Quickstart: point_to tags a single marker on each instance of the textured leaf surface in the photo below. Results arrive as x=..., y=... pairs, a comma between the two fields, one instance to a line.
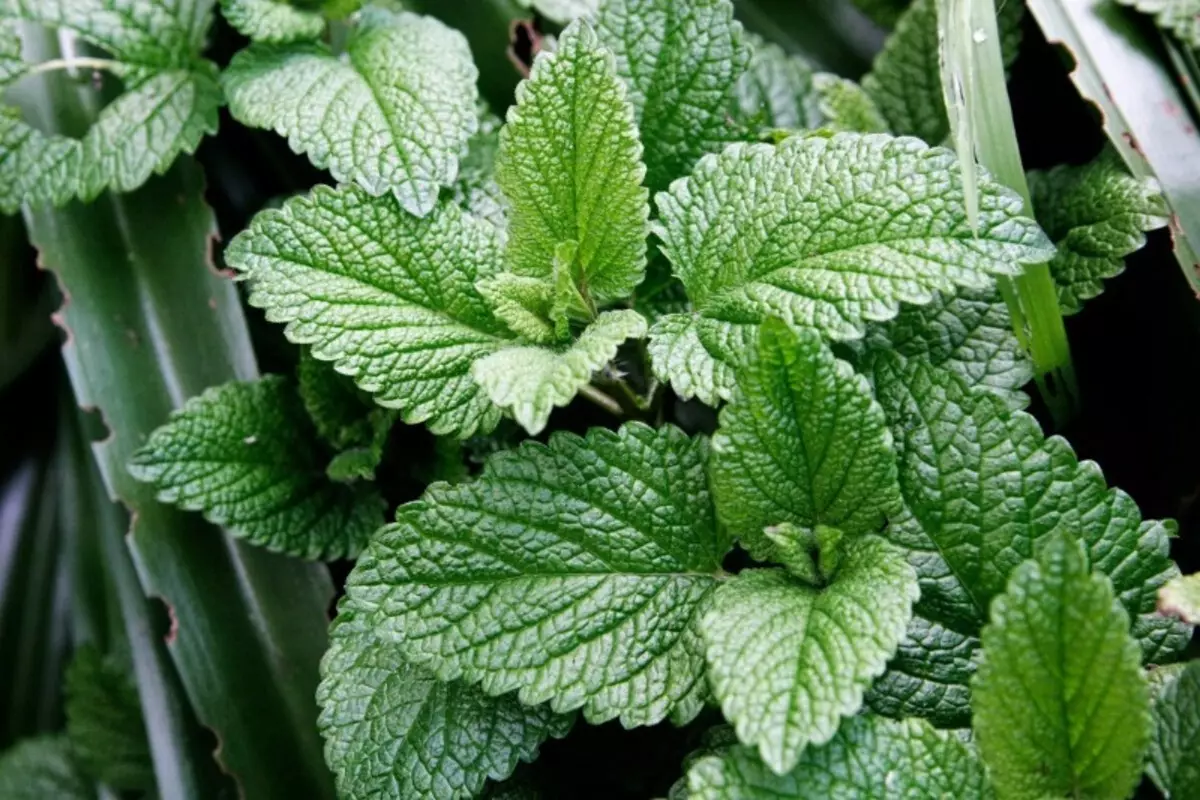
x=393, y=730
x=1180, y=17
x=476, y=188
x=827, y=233
x=776, y=90
x=788, y=661
x=570, y=166
x=104, y=723
x=274, y=21
x=529, y=382
x=246, y=455
x=35, y=769
x=150, y=32
x=1175, y=741
x=394, y=115
x=869, y=757
x=905, y=80
x=388, y=298
x=1181, y=597
x=846, y=106
x=562, y=11
x=525, y=305
x=336, y=407
x=970, y=334
x=1096, y=214
x=984, y=485
x=681, y=61
x=572, y=571
x=803, y=442
x=1061, y=707
x=929, y=676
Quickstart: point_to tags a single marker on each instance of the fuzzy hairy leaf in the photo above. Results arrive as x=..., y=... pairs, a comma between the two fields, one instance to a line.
x=35, y=769
x=245, y=454
x=1175, y=737
x=826, y=233
x=776, y=90
x=525, y=305
x=389, y=298
x=969, y=334
x=905, y=81
x=871, y=757
x=393, y=730
x=845, y=106
x=1096, y=214
x=1180, y=17
x=788, y=661
x=529, y=382
x=803, y=442
x=1181, y=598
x=104, y=723
x=929, y=676
x=573, y=571
x=562, y=11
x=273, y=21
x=570, y=165
x=681, y=60
x=1061, y=707
x=984, y=486
x=393, y=115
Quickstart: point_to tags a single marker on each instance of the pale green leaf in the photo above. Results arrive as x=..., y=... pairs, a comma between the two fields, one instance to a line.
x=776, y=90
x=529, y=382
x=562, y=11
x=870, y=757
x=570, y=165
x=41, y=768
x=573, y=572
x=1180, y=17
x=389, y=298
x=476, y=189
x=681, y=60
x=104, y=722
x=984, y=485
x=393, y=730
x=678, y=354
x=929, y=676
x=245, y=454
x=1181, y=598
x=524, y=304
x=845, y=106
x=1175, y=740
x=803, y=442
x=393, y=114
x=1096, y=214
x=275, y=21
x=827, y=233
x=1061, y=707
x=788, y=661
x=905, y=81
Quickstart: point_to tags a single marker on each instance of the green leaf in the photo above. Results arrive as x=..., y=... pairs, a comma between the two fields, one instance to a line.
x=681, y=60
x=338, y=410
x=573, y=571
x=389, y=298
x=1180, y=597
x=825, y=233
x=776, y=90
x=393, y=730
x=170, y=100
x=969, y=334
x=1097, y=214
x=104, y=723
x=273, y=21
x=1180, y=17
x=1061, y=707
x=787, y=661
x=476, y=189
x=393, y=114
x=803, y=442
x=1175, y=737
x=570, y=165
x=525, y=305
x=40, y=768
x=845, y=106
x=246, y=455
x=905, y=81
x=562, y=11
x=869, y=757
x=984, y=485
x=529, y=382
x=929, y=676
x=884, y=13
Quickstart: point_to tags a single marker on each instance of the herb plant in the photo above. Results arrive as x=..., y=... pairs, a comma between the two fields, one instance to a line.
x=723, y=400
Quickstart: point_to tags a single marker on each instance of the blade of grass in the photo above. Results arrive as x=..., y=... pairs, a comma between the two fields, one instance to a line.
x=1118, y=69
x=150, y=323
x=981, y=120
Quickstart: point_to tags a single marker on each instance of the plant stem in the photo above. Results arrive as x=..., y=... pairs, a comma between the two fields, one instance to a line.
x=971, y=49
x=603, y=400
x=83, y=62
